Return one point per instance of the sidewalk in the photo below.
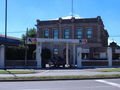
(60, 72)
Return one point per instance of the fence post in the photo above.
(109, 56)
(79, 57)
(2, 56)
(38, 55)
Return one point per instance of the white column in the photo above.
(109, 56)
(67, 56)
(79, 57)
(2, 56)
(38, 54)
(74, 54)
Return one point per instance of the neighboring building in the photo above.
(89, 31)
(115, 50)
(10, 41)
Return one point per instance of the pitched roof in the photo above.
(10, 40)
(10, 37)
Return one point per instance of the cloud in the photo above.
(69, 17)
(110, 41)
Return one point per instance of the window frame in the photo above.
(79, 35)
(55, 29)
(67, 34)
(46, 35)
(89, 32)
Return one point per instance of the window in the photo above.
(55, 34)
(89, 32)
(46, 33)
(67, 33)
(55, 51)
(79, 33)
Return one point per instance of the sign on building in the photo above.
(83, 41)
(31, 40)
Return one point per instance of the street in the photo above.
(102, 84)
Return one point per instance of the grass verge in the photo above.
(61, 77)
(17, 72)
(110, 70)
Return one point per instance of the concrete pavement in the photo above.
(106, 84)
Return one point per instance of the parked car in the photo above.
(57, 62)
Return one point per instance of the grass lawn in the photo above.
(77, 77)
(110, 70)
(17, 72)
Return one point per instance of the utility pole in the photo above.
(26, 47)
(72, 8)
(5, 33)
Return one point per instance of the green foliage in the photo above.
(110, 70)
(69, 77)
(18, 53)
(17, 72)
(30, 33)
(15, 53)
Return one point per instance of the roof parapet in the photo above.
(99, 17)
(72, 19)
(38, 21)
(60, 20)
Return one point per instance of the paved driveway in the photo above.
(106, 84)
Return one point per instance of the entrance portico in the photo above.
(67, 42)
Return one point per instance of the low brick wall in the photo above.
(33, 63)
(95, 63)
(116, 63)
(21, 63)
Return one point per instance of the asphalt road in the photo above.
(103, 84)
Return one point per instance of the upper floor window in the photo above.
(89, 32)
(55, 33)
(46, 33)
(79, 33)
(67, 33)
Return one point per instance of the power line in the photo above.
(15, 32)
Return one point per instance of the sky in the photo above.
(22, 14)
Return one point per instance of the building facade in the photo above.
(79, 42)
(93, 38)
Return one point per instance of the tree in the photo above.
(29, 33)
(29, 49)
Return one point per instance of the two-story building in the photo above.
(89, 33)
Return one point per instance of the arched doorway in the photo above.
(45, 55)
